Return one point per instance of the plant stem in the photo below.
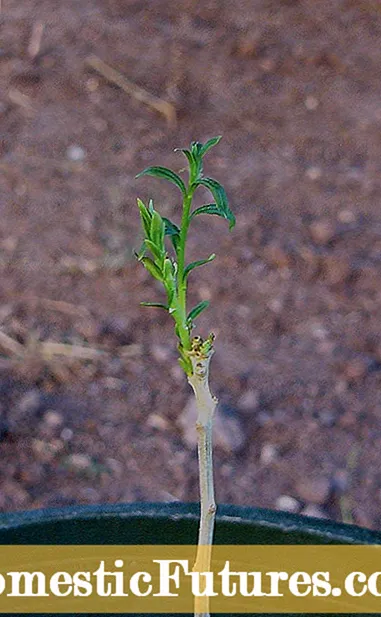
(206, 404)
(182, 283)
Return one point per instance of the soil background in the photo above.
(93, 405)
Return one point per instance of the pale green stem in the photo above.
(206, 404)
(182, 290)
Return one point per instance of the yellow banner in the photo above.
(159, 579)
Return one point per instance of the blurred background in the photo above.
(94, 407)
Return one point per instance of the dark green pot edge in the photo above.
(175, 523)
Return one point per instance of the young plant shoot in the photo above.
(195, 353)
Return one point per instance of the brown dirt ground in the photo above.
(294, 87)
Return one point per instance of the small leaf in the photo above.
(167, 174)
(141, 251)
(145, 217)
(155, 250)
(173, 231)
(195, 312)
(169, 280)
(196, 148)
(151, 209)
(170, 228)
(154, 305)
(188, 154)
(168, 270)
(186, 366)
(209, 144)
(207, 209)
(152, 268)
(219, 195)
(194, 161)
(184, 360)
(214, 209)
(195, 264)
(157, 230)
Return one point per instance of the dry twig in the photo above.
(21, 100)
(60, 306)
(11, 346)
(163, 107)
(35, 40)
(49, 349)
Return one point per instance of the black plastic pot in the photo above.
(173, 523)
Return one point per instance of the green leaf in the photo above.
(145, 217)
(168, 270)
(173, 231)
(195, 264)
(195, 312)
(167, 174)
(152, 268)
(209, 144)
(219, 195)
(169, 279)
(170, 228)
(157, 230)
(214, 209)
(196, 148)
(194, 161)
(141, 251)
(207, 209)
(189, 155)
(155, 250)
(154, 305)
(186, 365)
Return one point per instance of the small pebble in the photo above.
(327, 418)
(66, 434)
(347, 420)
(168, 497)
(53, 419)
(116, 467)
(75, 153)
(286, 503)
(161, 353)
(311, 103)
(336, 268)
(79, 462)
(177, 373)
(29, 403)
(314, 490)
(269, 453)
(249, 400)
(276, 256)
(322, 231)
(341, 480)
(14, 491)
(346, 216)
(313, 173)
(156, 421)
(318, 331)
(356, 369)
(313, 510)
(44, 451)
(263, 418)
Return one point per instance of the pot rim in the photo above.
(229, 514)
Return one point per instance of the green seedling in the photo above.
(170, 268)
